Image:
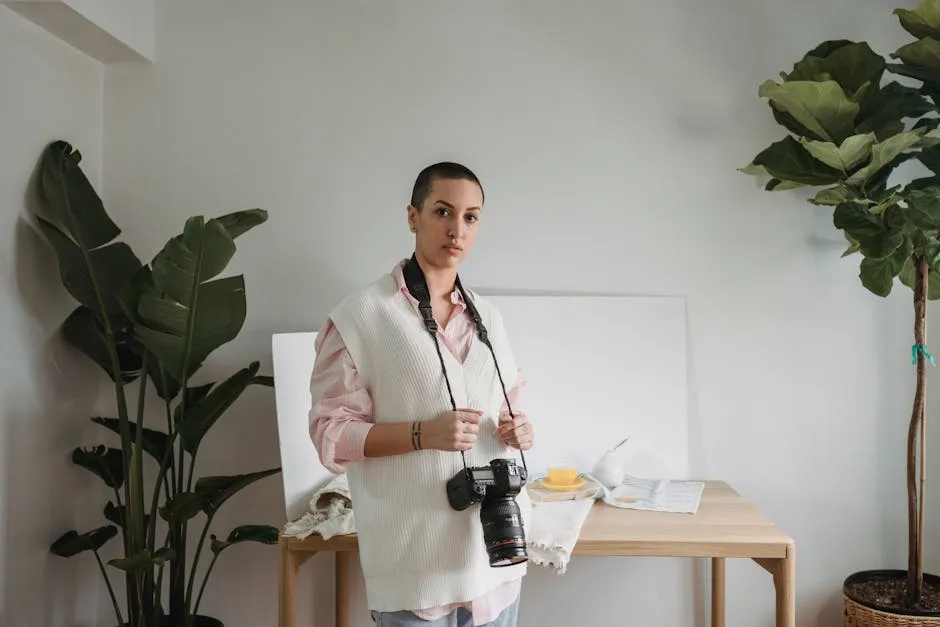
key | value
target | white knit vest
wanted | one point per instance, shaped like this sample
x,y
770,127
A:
x,y
415,550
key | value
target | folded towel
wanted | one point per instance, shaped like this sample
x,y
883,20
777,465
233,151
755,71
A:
x,y
554,530
330,512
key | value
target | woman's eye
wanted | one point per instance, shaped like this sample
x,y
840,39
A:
x,y
441,211
472,218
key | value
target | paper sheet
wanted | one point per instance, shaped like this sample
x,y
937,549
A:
x,y
656,495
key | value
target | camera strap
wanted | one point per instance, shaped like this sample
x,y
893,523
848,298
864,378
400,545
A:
x,y
417,286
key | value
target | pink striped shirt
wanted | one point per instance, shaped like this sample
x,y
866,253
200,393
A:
x,y
341,417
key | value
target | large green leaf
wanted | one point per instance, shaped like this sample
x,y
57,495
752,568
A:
x,y
82,329
93,277
240,222
107,463
854,65
787,160
923,21
183,506
882,154
218,489
200,416
79,229
923,53
868,229
884,113
844,157
155,443
68,198
877,275
822,107
72,543
264,534
189,315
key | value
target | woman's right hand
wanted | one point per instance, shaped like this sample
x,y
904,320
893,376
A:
x,y
451,431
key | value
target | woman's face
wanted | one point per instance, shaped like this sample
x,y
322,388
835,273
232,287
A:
x,y
447,222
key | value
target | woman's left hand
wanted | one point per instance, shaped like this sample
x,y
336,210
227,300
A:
x,y
515,432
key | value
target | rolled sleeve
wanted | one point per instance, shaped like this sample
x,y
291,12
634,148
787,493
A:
x,y
341,408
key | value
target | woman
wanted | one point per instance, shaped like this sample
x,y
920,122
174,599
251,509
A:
x,y
384,414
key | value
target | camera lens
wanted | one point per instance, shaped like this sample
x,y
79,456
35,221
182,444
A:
x,y
502,531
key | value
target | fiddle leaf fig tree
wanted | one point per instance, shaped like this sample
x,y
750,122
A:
x,y
151,327
849,130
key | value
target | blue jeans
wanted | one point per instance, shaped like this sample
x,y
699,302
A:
x,y
457,618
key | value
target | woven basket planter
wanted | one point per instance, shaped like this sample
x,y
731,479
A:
x,y
858,613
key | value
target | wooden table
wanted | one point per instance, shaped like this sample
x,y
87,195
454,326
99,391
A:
x,y
725,525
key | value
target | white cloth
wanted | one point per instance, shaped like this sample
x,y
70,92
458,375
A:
x,y
415,549
330,512
556,526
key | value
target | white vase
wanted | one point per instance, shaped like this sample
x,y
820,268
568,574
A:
x,y
609,470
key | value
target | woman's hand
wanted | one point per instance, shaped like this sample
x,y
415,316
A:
x,y
515,432
451,431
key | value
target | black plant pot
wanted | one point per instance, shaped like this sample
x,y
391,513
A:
x,y
198,621
874,578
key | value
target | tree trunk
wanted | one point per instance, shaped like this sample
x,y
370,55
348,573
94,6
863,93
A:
x,y
915,492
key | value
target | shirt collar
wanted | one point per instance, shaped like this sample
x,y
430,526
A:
x,y
398,273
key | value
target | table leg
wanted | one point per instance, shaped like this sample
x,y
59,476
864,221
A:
x,y
718,592
342,588
784,573
289,563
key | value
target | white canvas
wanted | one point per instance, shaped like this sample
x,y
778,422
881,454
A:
x,y
301,471
600,369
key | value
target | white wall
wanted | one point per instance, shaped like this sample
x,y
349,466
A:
x,y
607,135
48,91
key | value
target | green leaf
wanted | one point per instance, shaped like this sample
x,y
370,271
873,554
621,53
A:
x,y
844,157
71,543
883,114
787,160
868,229
193,395
832,196
883,154
218,489
240,222
200,416
923,21
155,443
822,107
68,198
192,316
930,157
143,560
182,507
877,275
82,329
264,534
853,65
92,273
107,463
923,53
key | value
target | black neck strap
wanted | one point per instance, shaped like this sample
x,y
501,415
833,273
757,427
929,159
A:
x,y
417,286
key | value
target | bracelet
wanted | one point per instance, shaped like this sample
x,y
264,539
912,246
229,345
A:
x,y
416,435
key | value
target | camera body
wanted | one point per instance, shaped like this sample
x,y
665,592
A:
x,y
501,478
495,487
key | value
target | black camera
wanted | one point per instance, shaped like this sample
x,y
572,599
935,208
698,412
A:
x,y
495,488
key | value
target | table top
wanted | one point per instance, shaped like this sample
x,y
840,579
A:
x,y
725,525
